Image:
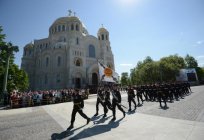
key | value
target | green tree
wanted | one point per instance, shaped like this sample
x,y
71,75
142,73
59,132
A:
x,y
170,66
125,79
148,59
149,71
146,72
190,61
200,73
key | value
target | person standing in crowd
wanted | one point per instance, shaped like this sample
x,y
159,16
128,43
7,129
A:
x,y
116,101
78,106
131,97
101,100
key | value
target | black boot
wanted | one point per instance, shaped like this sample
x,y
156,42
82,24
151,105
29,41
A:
x,y
70,127
129,109
104,115
113,119
124,114
88,120
96,114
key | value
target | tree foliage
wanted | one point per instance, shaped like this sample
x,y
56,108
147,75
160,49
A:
x,y
125,79
165,70
170,66
190,61
17,78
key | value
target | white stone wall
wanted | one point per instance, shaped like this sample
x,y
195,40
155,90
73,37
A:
x,y
64,44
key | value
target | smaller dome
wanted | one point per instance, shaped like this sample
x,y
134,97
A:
x,y
29,46
102,30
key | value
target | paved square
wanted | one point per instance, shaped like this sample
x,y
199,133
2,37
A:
x,y
184,120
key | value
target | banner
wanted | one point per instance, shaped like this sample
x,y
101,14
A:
x,y
107,74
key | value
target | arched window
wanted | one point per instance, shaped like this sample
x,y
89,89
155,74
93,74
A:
x,y
106,37
63,27
47,61
92,51
72,27
59,28
30,52
98,37
102,37
94,79
58,61
78,62
77,27
77,41
55,29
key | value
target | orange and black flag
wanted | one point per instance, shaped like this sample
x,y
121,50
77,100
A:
x,y
107,74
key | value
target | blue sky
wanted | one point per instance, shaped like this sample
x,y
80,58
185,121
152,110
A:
x,y
138,28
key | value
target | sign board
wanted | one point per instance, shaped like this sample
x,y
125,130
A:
x,y
189,75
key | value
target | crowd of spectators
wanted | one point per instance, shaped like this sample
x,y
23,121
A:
x,y
36,98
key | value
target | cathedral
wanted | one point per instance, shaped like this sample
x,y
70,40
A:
x,y
67,58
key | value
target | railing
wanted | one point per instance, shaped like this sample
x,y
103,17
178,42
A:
x,y
18,103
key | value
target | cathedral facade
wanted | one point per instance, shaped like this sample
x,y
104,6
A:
x,y
67,57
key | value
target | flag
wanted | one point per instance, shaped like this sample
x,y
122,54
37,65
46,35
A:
x,y
107,74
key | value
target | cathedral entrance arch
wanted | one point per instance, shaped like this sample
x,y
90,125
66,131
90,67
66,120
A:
x,y
94,79
77,79
77,82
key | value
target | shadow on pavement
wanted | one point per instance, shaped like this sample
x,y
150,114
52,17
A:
x,y
96,129
131,112
102,120
164,107
64,134
96,117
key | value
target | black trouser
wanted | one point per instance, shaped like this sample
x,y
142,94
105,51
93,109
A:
x,y
119,107
170,94
150,96
160,98
108,105
104,107
131,99
74,111
145,95
139,97
176,94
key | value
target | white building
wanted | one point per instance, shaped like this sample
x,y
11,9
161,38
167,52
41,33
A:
x,y
67,57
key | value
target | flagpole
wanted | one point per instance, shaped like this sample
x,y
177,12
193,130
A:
x,y
99,81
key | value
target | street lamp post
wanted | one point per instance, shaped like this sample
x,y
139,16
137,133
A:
x,y
9,49
5,81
